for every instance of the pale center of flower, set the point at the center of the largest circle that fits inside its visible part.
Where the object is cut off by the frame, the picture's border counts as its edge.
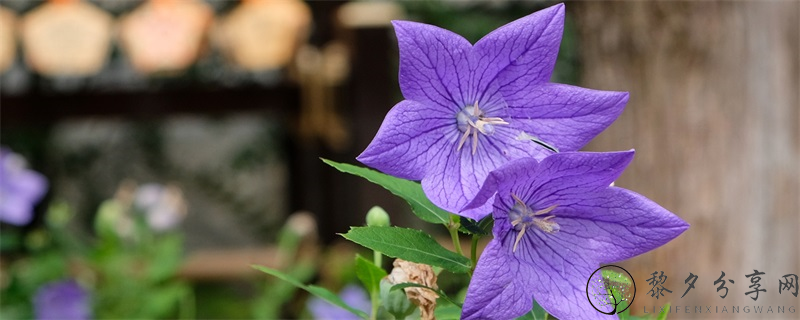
(472, 120)
(522, 218)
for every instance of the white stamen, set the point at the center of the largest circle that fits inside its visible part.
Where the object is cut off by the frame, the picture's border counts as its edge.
(519, 236)
(474, 141)
(463, 139)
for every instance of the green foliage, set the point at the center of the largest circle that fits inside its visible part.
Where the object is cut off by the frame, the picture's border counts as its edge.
(395, 304)
(447, 311)
(277, 293)
(408, 190)
(664, 311)
(132, 275)
(369, 274)
(536, 313)
(409, 244)
(479, 228)
(320, 292)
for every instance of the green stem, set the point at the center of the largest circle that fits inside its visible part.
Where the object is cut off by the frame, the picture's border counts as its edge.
(474, 252)
(453, 227)
(377, 258)
(375, 304)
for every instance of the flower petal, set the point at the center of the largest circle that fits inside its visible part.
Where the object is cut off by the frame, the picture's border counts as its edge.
(433, 65)
(561, 272)
(456, 176)
(16, 210)
(409, 140)
(564, 116)
(520, 53)
(500, 179)
(501, 287)
(506, 282)
(553, 181)
(616, 224)
(563, 178)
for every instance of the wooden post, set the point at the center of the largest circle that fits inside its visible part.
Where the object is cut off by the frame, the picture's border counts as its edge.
(714, 116)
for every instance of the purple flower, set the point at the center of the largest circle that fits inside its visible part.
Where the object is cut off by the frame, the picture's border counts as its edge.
(20, 189)
(353, 295)
(555, 223)
(63, 300)
(471, 109)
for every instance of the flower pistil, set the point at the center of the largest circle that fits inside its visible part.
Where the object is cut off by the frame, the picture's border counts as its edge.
(472, 120)
(522, 217)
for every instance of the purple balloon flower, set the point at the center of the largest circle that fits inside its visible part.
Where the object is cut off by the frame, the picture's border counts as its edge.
(471, 109)
(63, 300)
(353, 295)
(555, 222)
(20, 189)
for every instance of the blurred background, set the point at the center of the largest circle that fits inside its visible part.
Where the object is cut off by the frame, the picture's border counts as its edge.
(178, 142)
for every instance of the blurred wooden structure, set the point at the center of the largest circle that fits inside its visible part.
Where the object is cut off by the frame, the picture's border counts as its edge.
(714, 116)
(362, 101)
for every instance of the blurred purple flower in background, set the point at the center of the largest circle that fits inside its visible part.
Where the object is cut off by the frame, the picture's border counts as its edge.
(555, 223)
(20, 188)
(353, 295)
(62, 300)
(470, 109)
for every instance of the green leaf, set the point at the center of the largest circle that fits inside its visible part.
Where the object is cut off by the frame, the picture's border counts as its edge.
(447, 311)
(481, 228)
(408, 190)
(664, 311)
(320, 292)
(161, 301)
(274, 295)
(408, 244)
(536, 313)
(369, 274)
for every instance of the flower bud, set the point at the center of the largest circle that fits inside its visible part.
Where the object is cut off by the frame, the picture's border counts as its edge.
(377, 217)
(394, 302)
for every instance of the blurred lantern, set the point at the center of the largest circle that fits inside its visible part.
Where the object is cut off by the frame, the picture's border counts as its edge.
(8, 45)
(165, 35)
(319, 72)
(264, 34)
(66, 38)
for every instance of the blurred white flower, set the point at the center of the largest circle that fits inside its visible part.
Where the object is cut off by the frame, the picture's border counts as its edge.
(163, 206)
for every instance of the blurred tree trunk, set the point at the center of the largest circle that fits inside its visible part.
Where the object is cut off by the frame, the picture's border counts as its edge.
(714, 116)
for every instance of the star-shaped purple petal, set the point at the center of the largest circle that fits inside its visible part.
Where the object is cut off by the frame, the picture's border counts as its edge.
(20, 189)
(471, 109)
(556, 221)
